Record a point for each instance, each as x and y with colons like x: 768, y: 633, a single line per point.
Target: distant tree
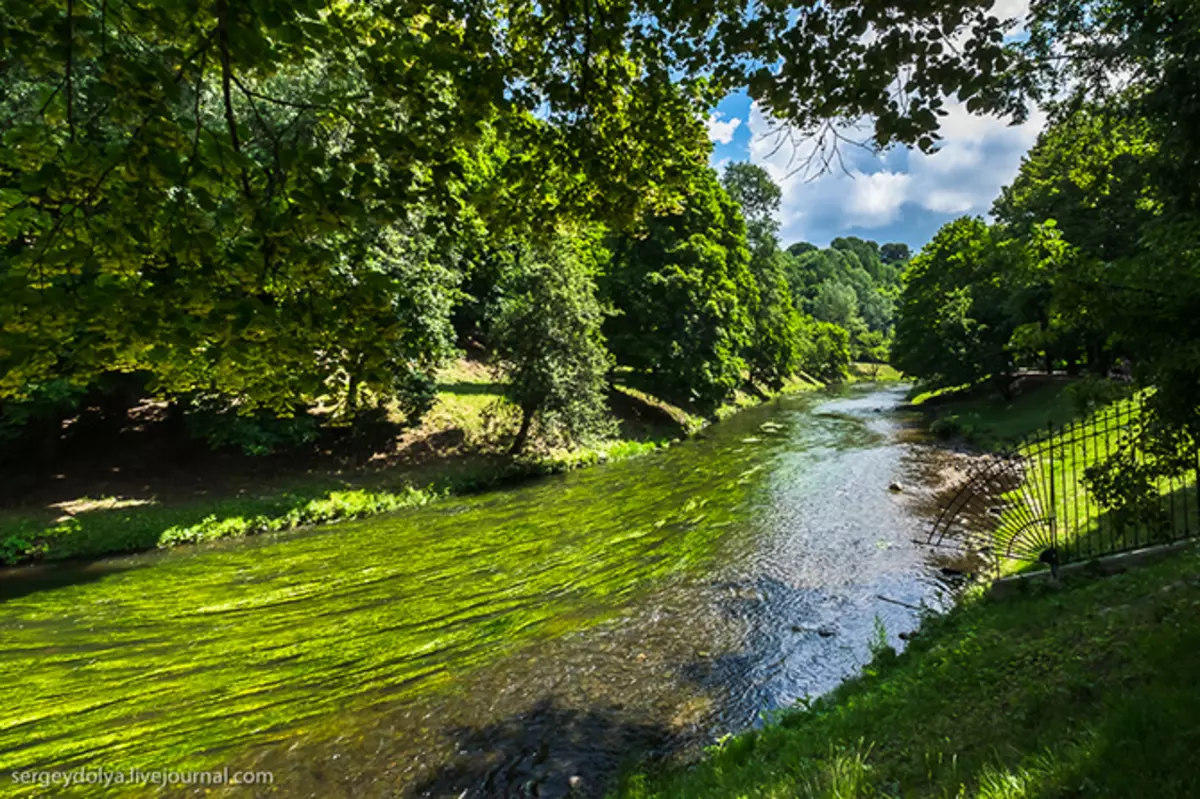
x: 827, y: 356
x: 752, y: 188
x: 836, y: 303
x: 547, y: 338
x: 895, y: 253
x: 777, y: 339
x: 954, y: 325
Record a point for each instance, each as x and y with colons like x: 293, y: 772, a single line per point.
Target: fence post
x: 1053, y: 502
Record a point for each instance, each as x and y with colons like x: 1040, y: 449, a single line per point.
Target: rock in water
x: 895, y: 488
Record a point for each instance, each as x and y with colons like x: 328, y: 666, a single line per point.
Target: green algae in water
x: 183, y: 660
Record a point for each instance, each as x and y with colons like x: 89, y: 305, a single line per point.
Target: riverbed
x: 525, y: 642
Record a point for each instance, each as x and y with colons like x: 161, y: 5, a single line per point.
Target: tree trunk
x: 518, y: 444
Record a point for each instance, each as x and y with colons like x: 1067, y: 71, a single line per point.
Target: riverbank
x: 980, y: 418
x: 1084, y: 689
x: 114, y: 504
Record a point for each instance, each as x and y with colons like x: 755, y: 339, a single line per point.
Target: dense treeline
x: 1091, y: 261
x: 253, y: 210
x: 250, y: 210
x: 853, y: 284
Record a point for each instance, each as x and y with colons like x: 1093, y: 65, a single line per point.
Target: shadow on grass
x: 1172, y: 517
x: 641, y: 419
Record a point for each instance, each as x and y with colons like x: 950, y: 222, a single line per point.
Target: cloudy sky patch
x: 898, y: 195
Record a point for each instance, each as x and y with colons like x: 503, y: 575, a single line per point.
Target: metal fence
x: 1032, y: 503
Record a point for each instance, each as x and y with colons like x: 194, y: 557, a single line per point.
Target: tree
x: 836, y: 303
x: 895, y: 253
x: 681, y: 291
x: 778, y: 328
x: 827, y: 356
x: 751, y: 187
x: 547, y: 338
x: 1088, y: 177
x: 953, y: 325
x: 776, y: 340
x: 188, y: 190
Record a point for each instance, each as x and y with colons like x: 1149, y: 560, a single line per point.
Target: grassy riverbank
x: 863, y: 372
x: 1083, y: 691
x: 460, y: 448
x: 982, y: 418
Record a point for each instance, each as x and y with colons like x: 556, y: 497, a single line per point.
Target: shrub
x: 954, y: 425
x: 221, y: 426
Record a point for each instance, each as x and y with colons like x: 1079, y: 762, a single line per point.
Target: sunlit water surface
x: 511, y: 644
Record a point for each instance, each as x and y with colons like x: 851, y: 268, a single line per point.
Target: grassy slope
x: 874, y: 373
x: 1085, y: 691
x: 990, y: 421
x: 459, y: 448
x: 1086, y: 529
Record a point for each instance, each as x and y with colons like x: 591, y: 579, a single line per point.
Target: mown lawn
x: 1083, y: 691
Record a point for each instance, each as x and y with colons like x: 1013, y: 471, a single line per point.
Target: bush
x: 221, y: 426
x: 954, y: 425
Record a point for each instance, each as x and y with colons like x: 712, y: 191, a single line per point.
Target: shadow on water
x: 17, y: 583
x: 548, y: 751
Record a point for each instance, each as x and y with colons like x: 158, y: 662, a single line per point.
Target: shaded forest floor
x: 1087, y: 689
x: 146, y: 485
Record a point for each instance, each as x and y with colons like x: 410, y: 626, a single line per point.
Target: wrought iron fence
x: 1032, y: 503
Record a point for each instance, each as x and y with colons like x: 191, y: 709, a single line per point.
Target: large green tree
x: 778, y: 335
x: 681, y: 289
x: 547, y: 337
x: 954, y: 324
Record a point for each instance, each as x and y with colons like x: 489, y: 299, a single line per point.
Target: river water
x: 517, y: 643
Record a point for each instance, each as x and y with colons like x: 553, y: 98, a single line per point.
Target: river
x: 515, y: 643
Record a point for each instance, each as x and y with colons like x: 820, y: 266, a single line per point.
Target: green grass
x: 874, y: 373
x: 1086, y: 529
x: 1087, y: 691
x: 989, y: 421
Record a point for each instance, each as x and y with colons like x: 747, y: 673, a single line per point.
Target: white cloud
x: 875, y: 199
x: 1011, y: 9
x: 978, y: 156
x: 721, y: 131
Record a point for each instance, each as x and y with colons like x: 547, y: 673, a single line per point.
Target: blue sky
x: 900, y: 195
